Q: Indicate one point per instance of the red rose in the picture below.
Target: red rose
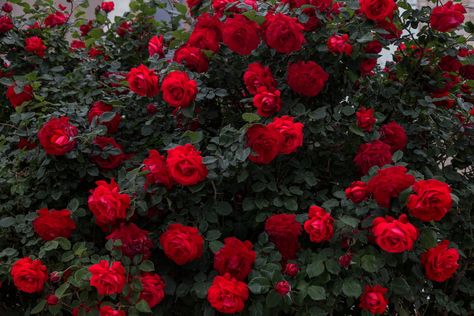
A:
(17, 99)
(107, 310)
(85, 28)
(282, 288)
(143, 81)
(206, 38)
(306, 78)
(6, 24)
(467, 71)
(155, 46)
(284, 230)
(373, 299)
(373, 47)
(107, 6)
(266, 102)
(440, 263)
(221, 6)
(94, 52)
(158, 173)
(193, 3)
(57, 136)
(35, 45)
(185, 165)
(367, 65)
(449, 63)
(377, 10)
(235, 257)
(107, 278)
(265, 143)
(365, 119)
(98, 109)
(227, 295)
(241, 34)
(345, 260)
(393, 135)
(292, 133)
(372, 154)
(7, 7)
(52, 299)
(257, 76)
(320, 225)
(76, 44)
(394, 235)
(51, 224)
(192, 57)
(111, 153)
(338, 44)
(107, 204)
(29, 275)
(357, 192)
(211, 22)
(179, 91)
(447, 17)
(55, 19)
(283, 33)
(124, 28)
(182, 244)
(153, 289)
(135, 241)
(291, 269)
(388, 183)
(430, 201)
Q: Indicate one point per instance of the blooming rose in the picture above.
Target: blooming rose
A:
(292, 133)
(265, 143)
(338, 44)
(283, 33)
(394, 235)
(430, 201)
(365, 119)
(107, 204)
(393, 135)
(124, 28)
(111, 153)
(206, 34)
(107, 310)
(179, 91)
(221, 6)
(306, 78)
(7, 7)
(320, 225)
(227, 295)
(55, 19)
(77, 44)
(367, 65)
(373, 299)
(17, 99)
(135, 241)
(185, 165)
(97, 109)
(153, 289)
(447, 17)
(240, 34)
(29, 275)
(155, 46)
(372, 154)
(182, 244)
(373, 47)
(235, 257)
(107, 278)
(440, 263)
(467, 71)
(192, 3)
(257, 76)
(51, 224)
(57, 136)
(107, 6)
(86, 28)
(282, 287)
(6, 24)
(449, 63)
(388, 183)
(377, 10)
(267, 102)
(357, 192)
(192, 57)
(35, 45)
(143, 81)
(284, 230)
(158, 173)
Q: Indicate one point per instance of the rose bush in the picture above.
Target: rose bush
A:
(250, 157)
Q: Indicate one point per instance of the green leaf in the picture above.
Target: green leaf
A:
(181, 8)
(213, 235)
(147, 266)
(397, 156)
(314, 269)
(215, 246)
(7, 222)
(400, 286)
(350, 221)
(64, 243)
(333, 266)
(259, 285)
(250, 117)
(223, 208)
(351, 288)
(61, 290)
(371, 263)
(194, 137)
(428, 238)
(273, 299)
(142, 306)
(317, 293)
(39, 307)
(356, 130)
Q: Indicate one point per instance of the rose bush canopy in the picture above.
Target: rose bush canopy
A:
(244, 157)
